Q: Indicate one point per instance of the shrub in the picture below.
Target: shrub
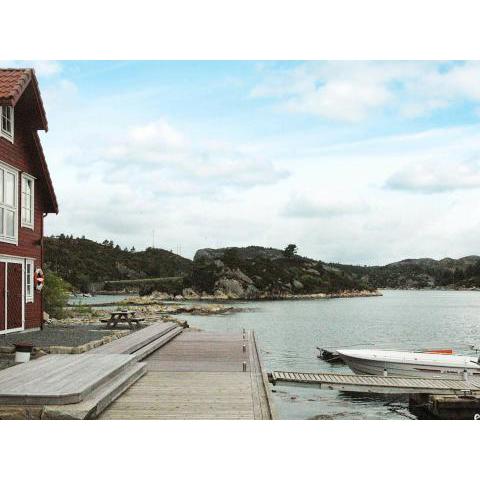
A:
(55, 294)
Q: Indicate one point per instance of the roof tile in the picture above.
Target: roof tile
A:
(13, 82)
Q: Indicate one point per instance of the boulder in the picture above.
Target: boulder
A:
(297, 284)
(190, 294)
(242, 277)
(218, 295)
(231, 287)
(160, 296)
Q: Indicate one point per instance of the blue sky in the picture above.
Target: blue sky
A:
(358, 162)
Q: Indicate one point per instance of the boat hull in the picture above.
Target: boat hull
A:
(422, 369)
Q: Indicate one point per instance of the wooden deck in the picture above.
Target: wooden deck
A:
(136, 340)
(199, 375)
(59, 379)
(374, 384)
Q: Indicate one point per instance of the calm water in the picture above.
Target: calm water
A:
(289, 331)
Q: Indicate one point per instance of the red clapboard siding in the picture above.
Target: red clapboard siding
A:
(22, 155)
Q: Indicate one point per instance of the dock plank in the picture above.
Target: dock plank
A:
(370, 383)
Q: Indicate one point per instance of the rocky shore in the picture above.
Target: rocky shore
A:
(158, 299)
(155, 304)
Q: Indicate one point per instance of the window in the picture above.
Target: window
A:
(8, 205)
(6, 123)
(29, 281)
(27, 201)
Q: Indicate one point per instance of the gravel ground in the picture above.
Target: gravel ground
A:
(67, 336)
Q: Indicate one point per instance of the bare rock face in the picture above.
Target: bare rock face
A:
(219, 295)
(257, 273)
(245, 253)
(297, 284)
(231, 287)
(239, 275)
(190, 294)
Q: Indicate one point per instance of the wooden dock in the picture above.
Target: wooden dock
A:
(185, 375)
(199, 375)
(70, 386)
(374, 384)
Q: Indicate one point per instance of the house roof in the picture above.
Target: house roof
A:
(13, 82)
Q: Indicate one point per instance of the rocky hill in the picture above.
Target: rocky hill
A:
(258, 272)
(248, 272)
(420, 273)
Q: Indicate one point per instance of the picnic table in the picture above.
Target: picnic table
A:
(123, 316)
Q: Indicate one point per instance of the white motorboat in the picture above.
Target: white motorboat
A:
(410, 364)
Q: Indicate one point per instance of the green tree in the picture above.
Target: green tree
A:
(55, 294)
(231, 258)
(291, 250)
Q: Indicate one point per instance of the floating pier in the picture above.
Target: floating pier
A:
(428, 397)
(375, 384)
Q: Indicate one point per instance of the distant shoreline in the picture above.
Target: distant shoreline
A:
(433, 289)
(163, 297)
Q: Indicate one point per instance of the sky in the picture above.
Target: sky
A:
(355, 162)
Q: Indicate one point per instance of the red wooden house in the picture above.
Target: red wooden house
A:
(26, 196)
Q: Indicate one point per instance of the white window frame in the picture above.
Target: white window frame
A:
(24, 223)
(4, 133)
(29, 295)
(3, 237)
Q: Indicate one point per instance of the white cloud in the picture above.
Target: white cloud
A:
(301, 205)
(164, 151)
(122, 176)
(60, 94)
(156, 135)
(436, 176)
(351, 91)
(333, 204)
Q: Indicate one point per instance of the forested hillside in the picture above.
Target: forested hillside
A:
(242, 272)
(420, 273)
(83, 262)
